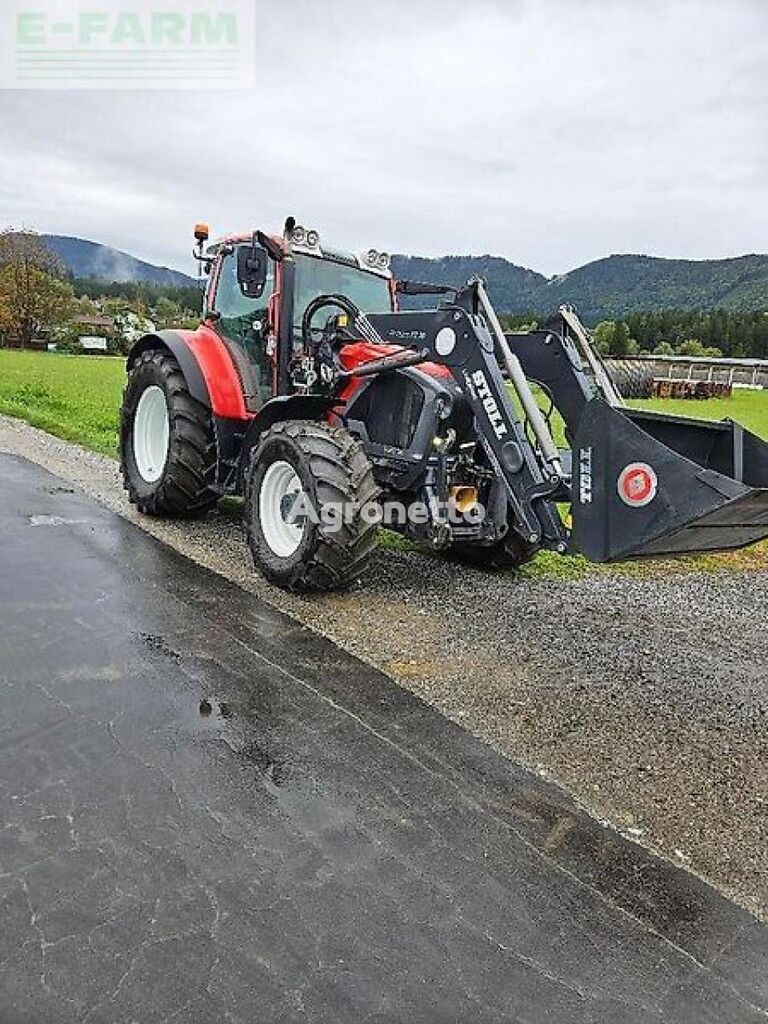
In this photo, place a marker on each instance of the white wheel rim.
(280, 487)
(151, 434)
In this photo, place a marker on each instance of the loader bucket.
(648, 484)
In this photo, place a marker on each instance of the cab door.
(243, 324)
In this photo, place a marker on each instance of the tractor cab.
(260, 287)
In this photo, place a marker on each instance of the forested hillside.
(513, 289)
(613, 287)
(92, 259)
(620, 285)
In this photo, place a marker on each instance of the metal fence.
(745, 373)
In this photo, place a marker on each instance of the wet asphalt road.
(207, 813)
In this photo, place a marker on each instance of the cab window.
(230, 302)
(243, 320)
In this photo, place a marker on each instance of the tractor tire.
(631, 378)
(167, 446)
(331, 469)
(508, 553)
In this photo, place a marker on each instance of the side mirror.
(252, 270)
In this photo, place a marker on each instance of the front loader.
(307, 391)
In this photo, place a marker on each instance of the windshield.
(369, 292)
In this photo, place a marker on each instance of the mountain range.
(92, 259)
(612, 287)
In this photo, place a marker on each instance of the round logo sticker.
(638, 484)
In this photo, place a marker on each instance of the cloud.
(547, 131)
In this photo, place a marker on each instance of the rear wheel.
(167, 448)
(307, 490)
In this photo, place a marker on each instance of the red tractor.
(308, 392)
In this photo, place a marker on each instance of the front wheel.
(167, 448)
(309, 490)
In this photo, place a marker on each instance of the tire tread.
(184, 489)
(342, 474)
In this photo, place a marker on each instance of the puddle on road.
(209, 715)
(272, 769)
(159, 645)
(211, 709)
(213, 717)
(43, 520)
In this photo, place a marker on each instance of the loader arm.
(560, 356)
(640, 484)
(458, 337)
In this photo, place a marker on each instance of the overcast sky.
(551, 132)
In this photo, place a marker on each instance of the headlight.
(372, 258)
(383, 261)
(313, 239)
(298, 235)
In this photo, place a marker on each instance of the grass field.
(749, 408)
(74, 397)
(78, 398)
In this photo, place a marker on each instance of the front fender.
(277, 410)
(174, 343)
(207, 366)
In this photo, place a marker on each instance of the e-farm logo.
(139, 44)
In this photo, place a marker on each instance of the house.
(97, 322)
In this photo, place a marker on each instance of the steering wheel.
(321, 302)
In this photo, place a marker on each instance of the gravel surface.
(645, 698)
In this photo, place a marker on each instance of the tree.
(733, 333)
(509, 321)
(603, 336)
(34, 294)
(620, 342)
(169, 313)
(129, 327)
(690, 347)
(663, 349)
(84, 306)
